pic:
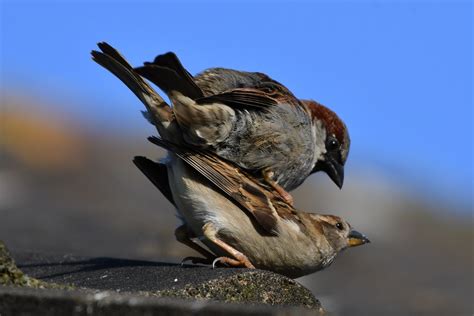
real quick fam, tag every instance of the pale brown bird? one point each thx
(244, 117)
(242, 222)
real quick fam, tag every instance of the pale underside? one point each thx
(199, 203)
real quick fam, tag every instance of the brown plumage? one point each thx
(245, 117)
(259, 226)
(240, 140)
(253, 121)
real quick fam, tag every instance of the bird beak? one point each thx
(356, 239)
(333, 169)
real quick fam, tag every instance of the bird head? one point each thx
(332, 140)
(339, 232)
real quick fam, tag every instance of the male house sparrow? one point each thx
(244, 117)
(243, 222)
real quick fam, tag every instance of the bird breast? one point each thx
(280, 138)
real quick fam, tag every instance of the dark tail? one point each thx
(167, 72)
(157, 173)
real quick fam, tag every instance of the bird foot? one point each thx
(286, 196)
(197, 260)
(244, 262)
(268, 176)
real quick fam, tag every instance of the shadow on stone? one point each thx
(161, 280)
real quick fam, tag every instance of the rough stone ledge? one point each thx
(66, 284)
(28, 301)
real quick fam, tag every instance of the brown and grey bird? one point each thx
(244, 117)
(239, 218)
(242, 222)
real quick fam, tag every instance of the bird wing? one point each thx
(243, 98)
(264, 205)
(230, 87)
(258, 97)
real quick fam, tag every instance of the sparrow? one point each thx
(244, 117)
(242, 222)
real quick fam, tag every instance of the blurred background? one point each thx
(399, 73)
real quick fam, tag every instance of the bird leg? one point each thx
(268, 177)
(239, 259)
(183, 235)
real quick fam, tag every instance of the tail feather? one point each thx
(157, 173)
(170, 60)
(159, 111)
(167, 72)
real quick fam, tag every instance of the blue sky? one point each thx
(399, 73)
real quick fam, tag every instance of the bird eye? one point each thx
(339, 226)
(332, 144)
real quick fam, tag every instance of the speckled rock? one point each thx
(249, 287)
(12, 276)
(85, 278)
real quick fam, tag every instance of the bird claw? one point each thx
(287, 197)
(196, 260)
(268, 176)
(232, 262)
(209, 261)
(215, 261)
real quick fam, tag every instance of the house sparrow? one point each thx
(239, 220)
(244, 117)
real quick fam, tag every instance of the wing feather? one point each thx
(236, 183)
